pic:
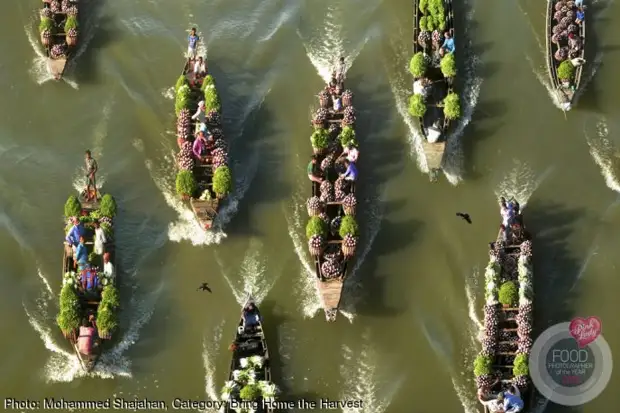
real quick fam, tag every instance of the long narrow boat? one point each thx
(434, 102)
(332, 230)
(207, 181)
(508, 315)
(249, 382)
(58, 29)
(564, 75)
(98, 305)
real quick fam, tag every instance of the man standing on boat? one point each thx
(341, 70)
(91, 170)
(192, 44)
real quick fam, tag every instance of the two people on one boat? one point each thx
(91, 168)
(87, 336)
(505, 402)
(512, 230)
(251, 318)
(203, 145)
(448, 44)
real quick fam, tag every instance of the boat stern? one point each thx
(56, 67)
(330, 292)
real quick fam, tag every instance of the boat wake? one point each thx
(64, 365)
(306, 286)
(605, 154)
(328, 45)
(521, 182)
(210, 351)
(364, 381)
(253, 279)
(471, 287)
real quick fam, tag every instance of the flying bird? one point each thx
(204, 287)
(464, 216)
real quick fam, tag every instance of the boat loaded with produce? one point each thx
(566, 36)
(249, 387)
(434, 103)
(89, 300)
(203, 180)
(502, 364)
(332, 230)
(58, 29)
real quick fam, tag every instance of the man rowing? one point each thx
(91, 168)
(192, 44)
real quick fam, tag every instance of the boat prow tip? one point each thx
(330, 315)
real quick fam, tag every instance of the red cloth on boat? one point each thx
(85, 340)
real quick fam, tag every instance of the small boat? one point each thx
(99, 304)
(508, 316)
(332, 230)
(205, 182)
(565, 68)
(58, 29)
(434, 102)
(249, 382)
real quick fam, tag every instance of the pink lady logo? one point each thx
(570, 363)
(585, 330)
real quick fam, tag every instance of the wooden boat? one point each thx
(434, 125)
(557, 43)
(250, 357)
(510, 262)
(58, 30)
(332, 260)
(95, 302)
(204, 200)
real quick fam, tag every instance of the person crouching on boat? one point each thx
(337, 103)
(86, 337)
(312, 168)
(90, 280)
(512, 400)
(192, 44)
(81, 255)
(351, 173)
(202, 146)
(448, 44)
(250, 317)
(580, 15)
(72, 239)
(508, 211)
(100, 238)
(422, 87)
(201, 114)
(108, 268)
(494, 405)
(200, 68)
(574, 44)
(350, 152)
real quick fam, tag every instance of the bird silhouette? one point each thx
(204, 287)
(465, 216)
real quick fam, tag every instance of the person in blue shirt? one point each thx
(580, 15)
(448, 45)
(81, 254)
(192, 44)
(74, 234)
(90, 280)
(250, 316)
(512, 400)
(351, 173)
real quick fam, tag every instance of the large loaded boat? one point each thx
(89, 299)
(249, 387)
(58, 29)
(434, 102)
(501, 368)
(204, 178)
(332, 230)
(566, 36)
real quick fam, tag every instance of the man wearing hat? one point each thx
(201, 114)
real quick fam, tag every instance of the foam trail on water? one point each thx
(307, 287)
(471, 285)
(48, 287)
(353, 285)
(253, 275)
(364, 381)
(605, 154)
(168, 93)
(209, 355)
(521, 182)
(453, 160)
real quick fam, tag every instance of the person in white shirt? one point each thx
(100, 239)
(200, 68)
(108, 268)
(494, 405)
(201, 115)
(350, 152)
(337, 104)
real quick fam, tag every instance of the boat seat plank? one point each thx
(335, 241)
